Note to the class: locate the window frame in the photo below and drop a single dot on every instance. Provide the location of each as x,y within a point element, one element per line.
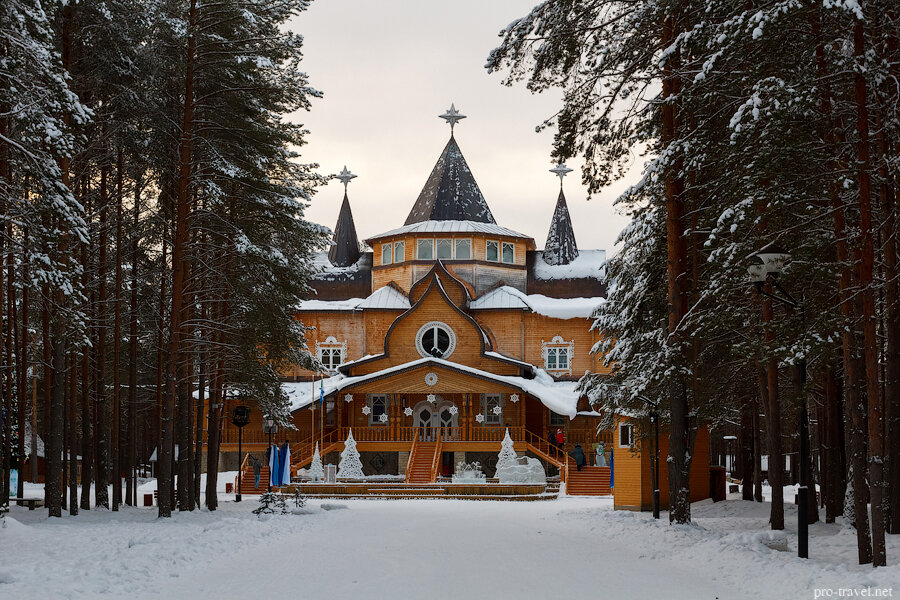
<point>557,420</point>
<point>630,428</point>
<point>503,247</point>
<point>456,241</point>
<point>490,419</point>
<point>487,245</point>
<point>437,241</point>
<point>387,247</point>
<point>330,412</point>
<point>370,402</point>
<point>332,350</point>
<point>399,251</point>
<point>424,243</point>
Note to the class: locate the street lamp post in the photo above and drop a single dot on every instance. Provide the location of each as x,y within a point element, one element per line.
<point>766,265</point>
<point>240,419</point>
<point>269,427</point>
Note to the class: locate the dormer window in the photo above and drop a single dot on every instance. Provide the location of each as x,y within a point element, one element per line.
<point>331,353</point>
<point>444,249</point>
<point>425,249</point>
<point>387,253</point>
<point>492,251</point>
<point>558,354</point>
<point>463,249</point>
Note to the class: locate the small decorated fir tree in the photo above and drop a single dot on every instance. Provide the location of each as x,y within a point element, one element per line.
<point>507,454</point>
<point>316,471</point>
<point>350,466</point>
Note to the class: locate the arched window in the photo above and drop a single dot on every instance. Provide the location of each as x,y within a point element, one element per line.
<point>435,339</point>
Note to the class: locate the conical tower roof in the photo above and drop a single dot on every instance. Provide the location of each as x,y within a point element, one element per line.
<point>450,194</point>
<point>560,248</point>
<point>345,250</point>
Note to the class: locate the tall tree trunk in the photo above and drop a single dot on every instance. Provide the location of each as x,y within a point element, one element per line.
<point>87,413</point>
<point>834,467</point>
<point>680,438</point>
<point>72,439</point>
<point>182,206</point>
<point>866,275</point>
<point>773,421</point>
<point>131,497</point>
<point>117,342</point>
<point>23,362</point>
<point>102,404</point>
<point>745,448</point>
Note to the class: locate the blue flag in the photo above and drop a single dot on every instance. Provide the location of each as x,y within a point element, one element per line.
<point>322,391</point>
<point>612,479</point>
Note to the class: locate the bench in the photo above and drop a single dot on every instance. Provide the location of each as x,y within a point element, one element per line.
<point>31,502</point>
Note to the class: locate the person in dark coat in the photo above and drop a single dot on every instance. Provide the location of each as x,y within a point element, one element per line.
<point>254,462</point>
<point>578,455</point>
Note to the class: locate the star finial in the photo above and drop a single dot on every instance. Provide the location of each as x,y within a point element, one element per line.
<point>344,177</point>
<point>452,116</point>
<point>561,170</point>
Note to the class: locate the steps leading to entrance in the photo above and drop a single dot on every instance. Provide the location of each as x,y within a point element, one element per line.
<point>589,481</point>
<point>420,462</point>
<point>248,481</point>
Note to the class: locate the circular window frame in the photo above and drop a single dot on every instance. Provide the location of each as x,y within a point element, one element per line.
<point>427,327</point>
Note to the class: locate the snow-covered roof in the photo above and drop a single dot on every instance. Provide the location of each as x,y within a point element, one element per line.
<point>327,305</point>
<point>452,227</point>
<point>387,297</point>
<point>506,297</point>
<point>322,264</point>
<point>558,396</point>
<point>589,264</point>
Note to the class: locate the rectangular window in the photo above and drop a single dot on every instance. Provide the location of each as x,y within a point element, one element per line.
<point>386,257</point>
<point>329,413</point>
<point>509,252</point>
<point>492,251</point>
<point>551,358</point>
<point>377,408</point>
<point>557,359</point>
<point>492,409</point>
<point>399,251</point>
<point>331,358</point>
<point>425,249</point>
<point>463,249</point>
<point>626,435</point>
<point>557,420</point>
<point>444,249</point>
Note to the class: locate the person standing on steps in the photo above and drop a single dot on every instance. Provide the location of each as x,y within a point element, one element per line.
<point>560,438</point>
<point>579,456</point>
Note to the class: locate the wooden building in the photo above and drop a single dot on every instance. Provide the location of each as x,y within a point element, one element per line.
<point>450,331</point>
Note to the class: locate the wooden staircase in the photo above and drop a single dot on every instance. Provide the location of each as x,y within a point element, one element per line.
<point>589,481</point>
<point>248,481</point>
<point>421,462</point>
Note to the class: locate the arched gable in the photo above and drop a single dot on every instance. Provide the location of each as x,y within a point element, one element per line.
<point>457,291</point>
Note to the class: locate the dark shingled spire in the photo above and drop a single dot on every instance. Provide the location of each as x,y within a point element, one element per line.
<point>345,250</point>
<point>560,248</point>
<point>450,194</point>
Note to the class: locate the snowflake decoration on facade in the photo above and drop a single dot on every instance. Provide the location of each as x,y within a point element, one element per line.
<point>431,398</point>
<point>496,410</point>
<point>479,417</point>
<point>348,398</point>
<point>513,398</point>
<point>407,411</point>
<point>366,410</point>
<point>383,418</point>
<point>431,378</point>
<point>453,410</point>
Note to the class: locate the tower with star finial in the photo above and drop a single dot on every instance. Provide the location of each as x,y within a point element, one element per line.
<point>560,248</point>
<point>344,250</point>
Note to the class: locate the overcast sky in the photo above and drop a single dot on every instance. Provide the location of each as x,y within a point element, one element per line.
<point>388,68</point>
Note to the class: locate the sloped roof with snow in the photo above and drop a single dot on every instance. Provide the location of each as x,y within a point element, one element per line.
<point>589,264</point>
<point>559,396</point>
<point>386,298</point>
<point>450,193</point>
<point>452,227</point>
<point>509,298</point>
<point>330,305</point>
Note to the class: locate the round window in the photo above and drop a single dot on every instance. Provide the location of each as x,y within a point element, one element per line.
<point>435,339</point>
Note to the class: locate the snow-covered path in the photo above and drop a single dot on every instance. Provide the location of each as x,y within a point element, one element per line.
<point>431,549</point>
<point>453,549</point>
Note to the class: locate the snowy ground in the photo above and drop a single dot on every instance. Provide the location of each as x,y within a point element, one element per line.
<point>435,549</point>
